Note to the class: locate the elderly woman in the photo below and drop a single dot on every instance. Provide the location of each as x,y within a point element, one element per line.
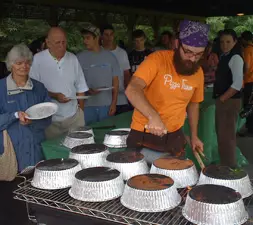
<point>18,92</point>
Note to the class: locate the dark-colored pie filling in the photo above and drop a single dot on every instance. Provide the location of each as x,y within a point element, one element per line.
<point>80,135</point>
<point>89,149</point>
<point>97,174</point>
<point>57,164</point>
<point>214,194</point>
<point>118,132</point>
<point>125,157</point>
<point>150,182</point>
<point>224,172</point>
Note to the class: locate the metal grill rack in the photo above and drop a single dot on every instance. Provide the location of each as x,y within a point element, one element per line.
<point>110,210</point>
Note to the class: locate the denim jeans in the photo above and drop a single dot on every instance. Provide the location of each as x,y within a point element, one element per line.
<point>94,114</point>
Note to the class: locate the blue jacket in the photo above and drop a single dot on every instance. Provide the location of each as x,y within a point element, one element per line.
<point>27,139</point>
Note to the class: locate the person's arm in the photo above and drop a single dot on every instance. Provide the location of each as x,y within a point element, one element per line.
<point>145,74</point>
<point>80,84</point>
<point>135,94</point>
<point>248,60</point>
<point>127,78</point>
<point>193,113</point>
<point>193,118</point>
<point>81,101</point>
<point>193,106</point>
<point>115,90</point>
<point>126,69</point>
<point>6,119</point>
<point>236,66</point>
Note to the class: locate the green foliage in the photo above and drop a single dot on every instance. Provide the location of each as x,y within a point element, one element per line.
<point>15,31</point>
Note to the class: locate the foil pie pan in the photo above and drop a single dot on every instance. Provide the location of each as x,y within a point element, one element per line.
<point>88,156</point>
<point>182,177</point>
<point>243,185</point>
<point>116,138</point>
<point>86,129</point>
<point>150,200</point>
<point>78,138</point>
<point>128,163</point>
<point>202,213</point>
<point>97,190</point>
<point>55,174</point>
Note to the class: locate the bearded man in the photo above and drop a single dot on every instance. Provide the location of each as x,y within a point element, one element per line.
<point>166,87</point>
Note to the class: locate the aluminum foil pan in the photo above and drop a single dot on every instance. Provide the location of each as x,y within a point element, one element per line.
<point>129,163</point>
<point>214,205</point>
<point>222,175</point>
<point>78,138</point>
<point>150,193</point>
<point>116,139</point>
<point>90,155</point>
<point>82,129</point>
<point>183,172</point>
<point>97,184</point>
<point>55,174</point>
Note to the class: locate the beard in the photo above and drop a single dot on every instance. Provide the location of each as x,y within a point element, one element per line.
<point>185,67</point>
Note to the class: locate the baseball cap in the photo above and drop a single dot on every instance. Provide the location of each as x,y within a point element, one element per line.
<point>92,29</point>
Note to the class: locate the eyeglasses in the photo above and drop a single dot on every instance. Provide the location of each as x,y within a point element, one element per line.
<point>189,53</point>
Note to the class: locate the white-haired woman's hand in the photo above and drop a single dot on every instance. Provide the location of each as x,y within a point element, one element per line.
<point>22,118</point>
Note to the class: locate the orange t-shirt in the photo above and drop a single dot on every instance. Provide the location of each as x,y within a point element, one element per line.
<point>248,60</point>
<point>168,92</point>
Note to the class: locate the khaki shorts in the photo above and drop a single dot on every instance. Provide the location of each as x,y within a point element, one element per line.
<point>57,129</point>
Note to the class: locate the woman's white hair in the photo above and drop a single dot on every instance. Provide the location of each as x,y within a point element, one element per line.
<point>18,52</point>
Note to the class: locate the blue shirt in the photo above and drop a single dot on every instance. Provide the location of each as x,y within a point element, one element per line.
<point>27,139</point>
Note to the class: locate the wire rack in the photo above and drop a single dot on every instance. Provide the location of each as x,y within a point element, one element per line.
<point>110,210</point>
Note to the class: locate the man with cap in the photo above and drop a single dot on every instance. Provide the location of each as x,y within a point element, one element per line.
<point>101,70</point>
<point>167,86</point>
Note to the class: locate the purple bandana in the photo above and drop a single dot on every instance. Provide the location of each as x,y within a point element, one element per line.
<point>194,34</point>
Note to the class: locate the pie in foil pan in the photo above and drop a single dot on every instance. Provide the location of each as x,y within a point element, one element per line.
<point>116,138</point>
<point>55,174</point>
<point>150,193</point>
<point>182,171</point>
<point>129,163</point>
<point>86,129</point>
<point>236,179</point>
<point>74,139</point>
<point>97,184</point>
<point>211,204</point>
<point>90,155</point>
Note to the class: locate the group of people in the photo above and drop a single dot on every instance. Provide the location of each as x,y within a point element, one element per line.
<point>162,86</point>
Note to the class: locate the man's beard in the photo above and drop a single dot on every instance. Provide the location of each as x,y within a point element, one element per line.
<point>185,67</point>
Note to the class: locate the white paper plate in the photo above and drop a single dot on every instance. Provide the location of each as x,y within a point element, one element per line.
<point>79,97</point>
<point>41,111</point>
<point>104,89</point>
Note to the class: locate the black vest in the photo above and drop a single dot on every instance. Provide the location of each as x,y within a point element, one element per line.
<point>224,77</point>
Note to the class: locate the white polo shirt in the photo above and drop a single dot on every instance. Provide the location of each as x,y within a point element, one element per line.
<point>64,76</point>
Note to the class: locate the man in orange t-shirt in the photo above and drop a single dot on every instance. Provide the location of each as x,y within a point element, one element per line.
<point>247,41</point>
<point>166,86</point>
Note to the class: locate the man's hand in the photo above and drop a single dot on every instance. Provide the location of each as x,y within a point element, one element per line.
<point>62,98</point>
<point>93,91</point>
<point>196,144</point>
<point>22,118</point>
<point>156,126</point>
<point>112,109</point>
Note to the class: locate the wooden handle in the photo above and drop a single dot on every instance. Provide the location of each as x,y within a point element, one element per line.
<point>202,165</point>
<point>196,154</point>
